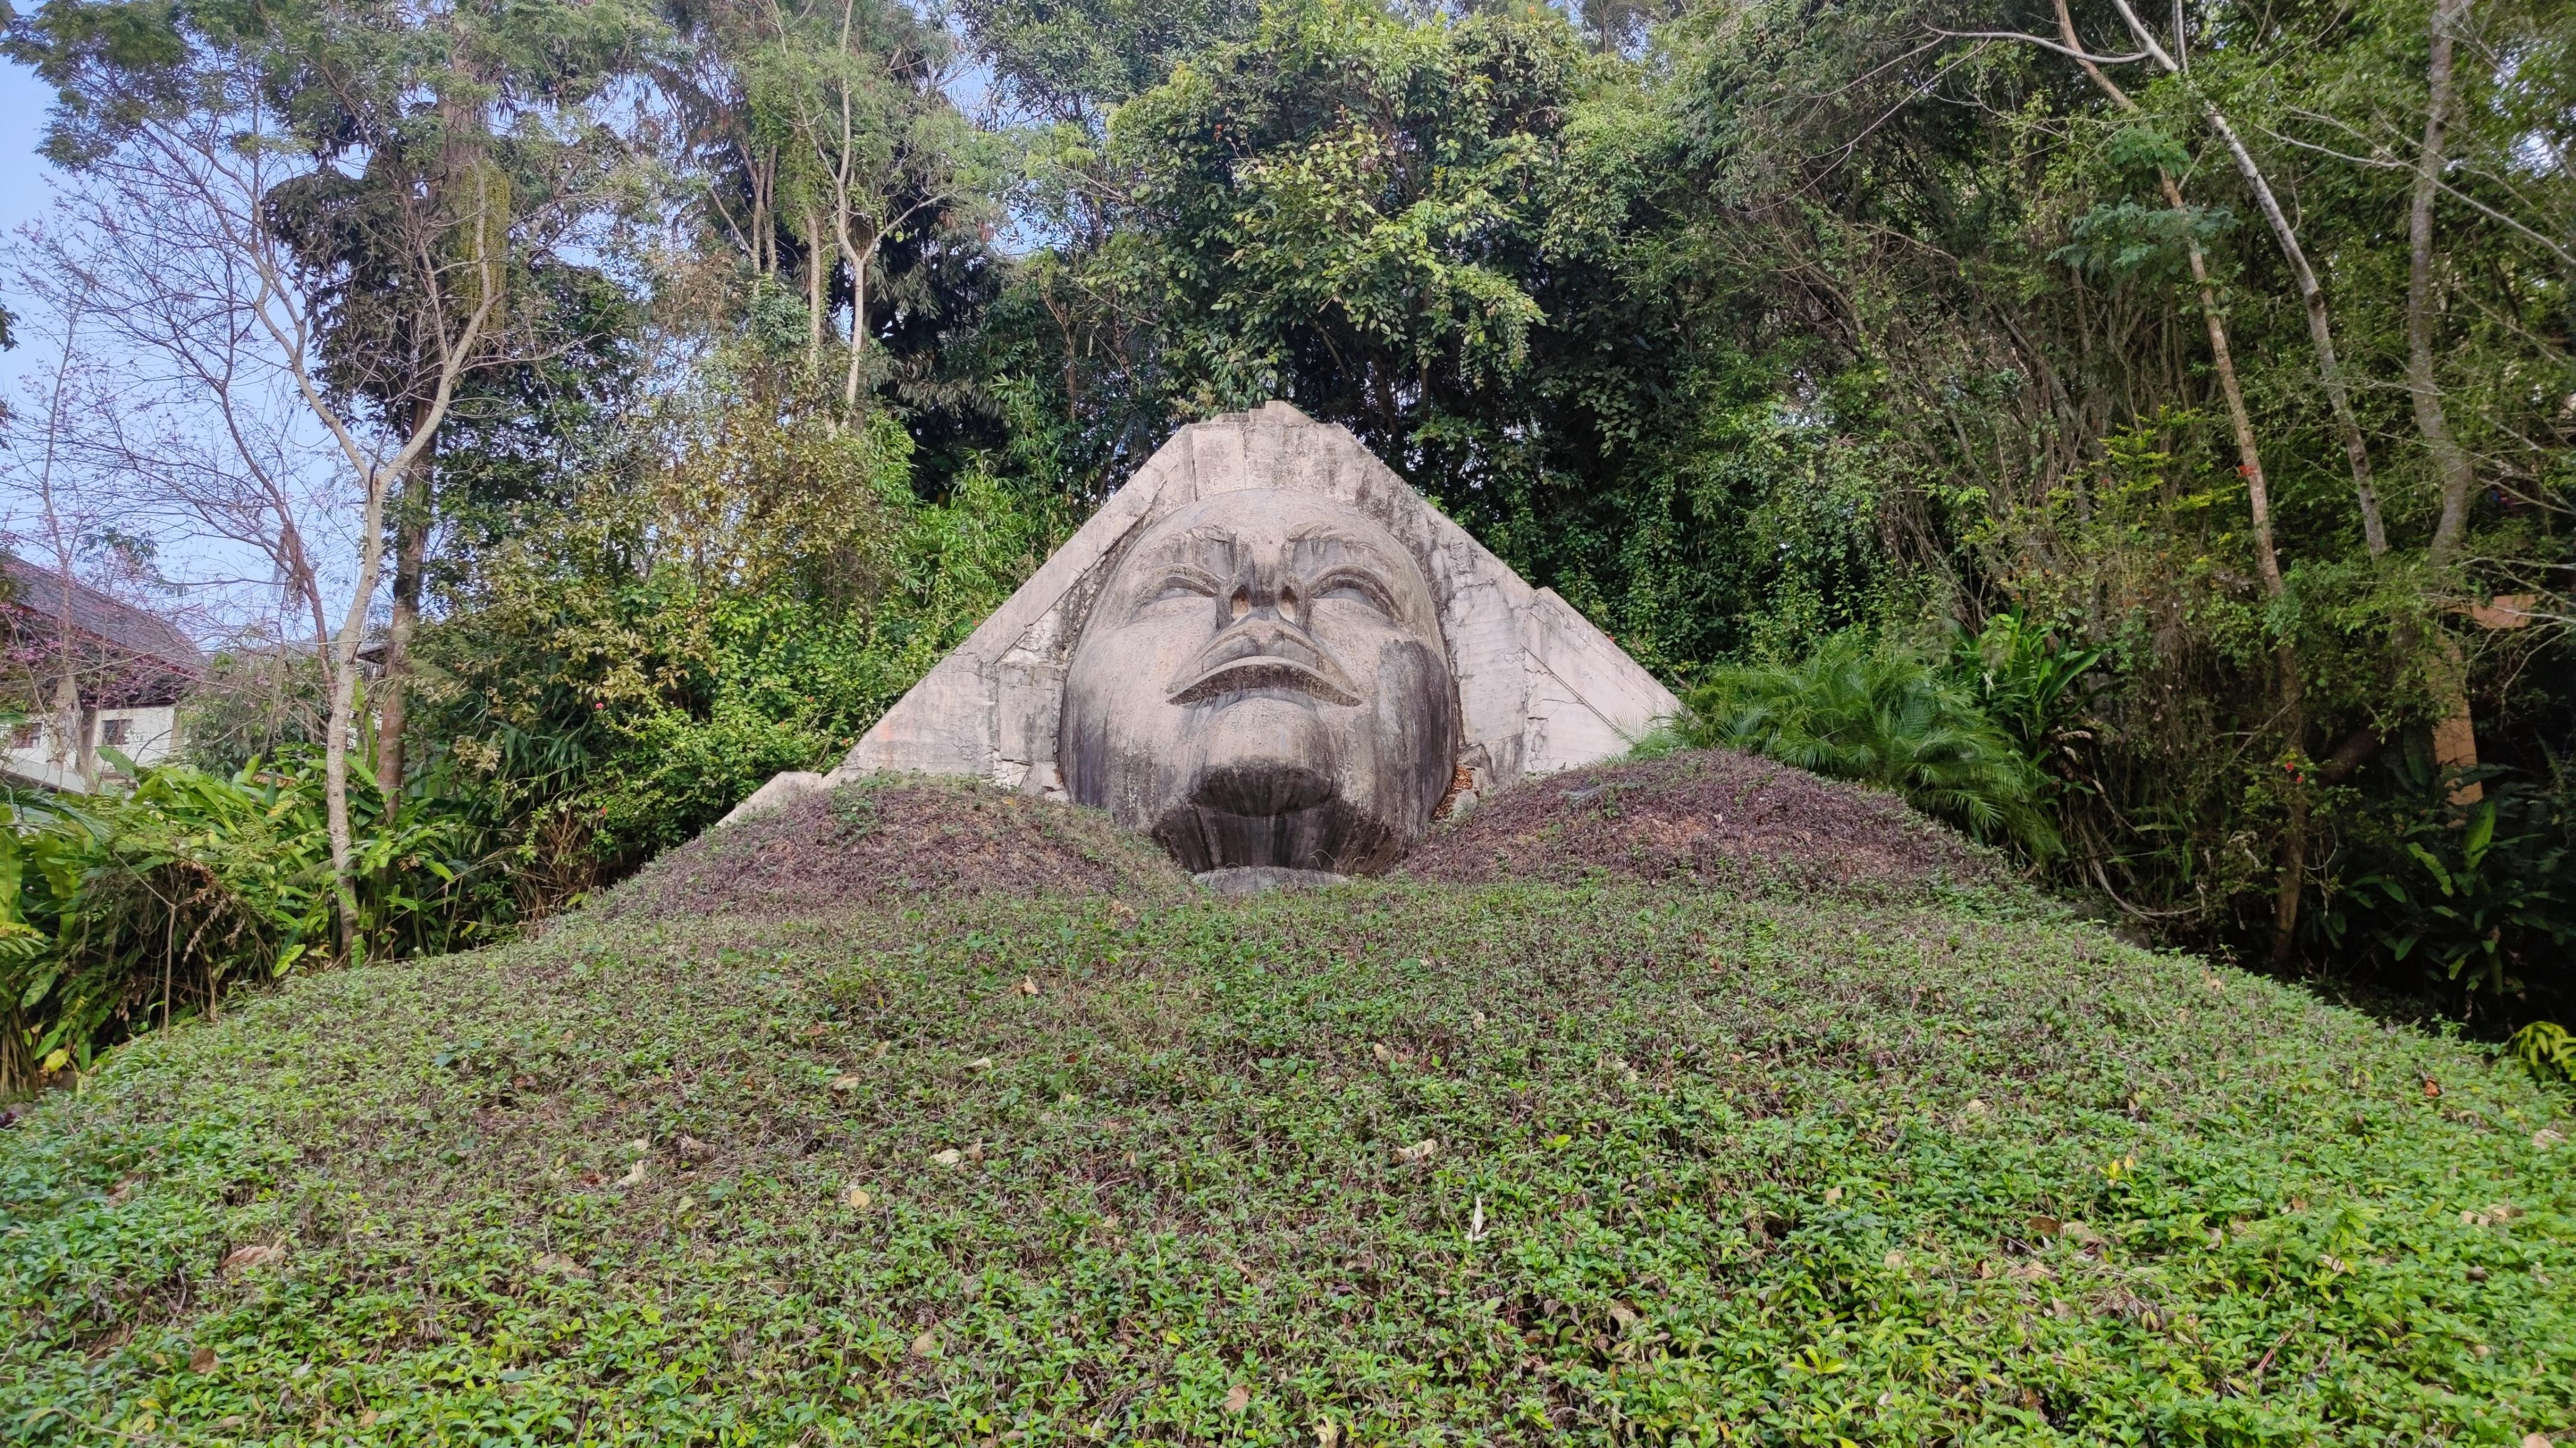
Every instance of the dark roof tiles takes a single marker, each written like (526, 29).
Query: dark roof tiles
(42, 595)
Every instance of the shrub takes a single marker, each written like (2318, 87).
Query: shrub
(1884, 715)
(2473, 900)
(119, 909)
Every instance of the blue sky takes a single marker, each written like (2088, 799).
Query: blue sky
(22, 174)
(24, 184)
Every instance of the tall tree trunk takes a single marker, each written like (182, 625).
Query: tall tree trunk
(344, 711)
(858, 316)
(2291, 885)
(2455, 737)
(816, 265)
(411, 553)
(460, 201)
(2312, 295)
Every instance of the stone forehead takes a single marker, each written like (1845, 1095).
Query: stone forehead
(1270, 516)
(1269, 513)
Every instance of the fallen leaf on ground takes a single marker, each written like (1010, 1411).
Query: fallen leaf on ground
(258, 1254)
(845, 1083)
(1238, 1399)
(1420, 1151)
(693, 1149)
(202, 1360)
(951, 1157)
(926, 1345)
(634, 1176)
(2044, 1226)
(1327, 1434)
(1029, 985)
(559, 1264)
(856, 1196)
(980, 1063)
(2545, 1138)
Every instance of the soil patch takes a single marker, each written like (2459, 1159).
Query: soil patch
(1711, 814)
(892, 841)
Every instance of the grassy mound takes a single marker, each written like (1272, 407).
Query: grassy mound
(1714, 817)
(890, 841)
(1387, 1162)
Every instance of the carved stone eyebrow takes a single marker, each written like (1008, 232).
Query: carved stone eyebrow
(1322, 531)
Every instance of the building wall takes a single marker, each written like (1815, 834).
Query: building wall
(37, 754)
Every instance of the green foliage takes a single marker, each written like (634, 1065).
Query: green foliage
(1883, 715)
(2027, 678)
(1707, 1167)
(750, 604)
(130, 910)
(2547, 1048)
(2126, 239)
(2469, 899)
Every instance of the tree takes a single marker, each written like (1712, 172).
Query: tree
(844, 96)
(219, 140)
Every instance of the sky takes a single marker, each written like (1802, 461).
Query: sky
(25, 184)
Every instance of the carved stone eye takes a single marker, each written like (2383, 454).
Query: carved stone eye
(1182, 583)
(1356, 588)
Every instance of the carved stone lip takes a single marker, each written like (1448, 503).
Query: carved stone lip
(1267, 671)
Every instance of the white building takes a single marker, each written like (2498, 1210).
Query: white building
(101, 675)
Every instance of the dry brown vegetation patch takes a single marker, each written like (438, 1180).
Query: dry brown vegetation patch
(893, 841)
(1712, 814)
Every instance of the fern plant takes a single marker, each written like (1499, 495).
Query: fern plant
(126, 910)
(1878, 714)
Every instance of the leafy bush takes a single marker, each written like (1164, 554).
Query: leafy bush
(2475, 900)
(123, 910)
(614, 686)
(1880, 714)
(2547, 1048)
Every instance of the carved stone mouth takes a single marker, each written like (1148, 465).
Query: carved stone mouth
(1260, 654)
(1266, 671)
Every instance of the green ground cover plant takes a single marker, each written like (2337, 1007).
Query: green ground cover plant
(1393, 1162)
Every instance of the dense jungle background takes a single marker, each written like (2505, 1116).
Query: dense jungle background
(2141, 439)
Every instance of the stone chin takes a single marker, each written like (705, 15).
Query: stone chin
(1262, 682)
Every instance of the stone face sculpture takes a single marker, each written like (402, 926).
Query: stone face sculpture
(1262, 681)
(1271, 653)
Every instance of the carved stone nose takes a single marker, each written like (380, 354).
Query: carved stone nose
(1265, 591)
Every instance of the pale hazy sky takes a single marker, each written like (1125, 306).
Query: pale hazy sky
(23, 174)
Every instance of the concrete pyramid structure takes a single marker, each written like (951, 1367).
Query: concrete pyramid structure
(1540, 689)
